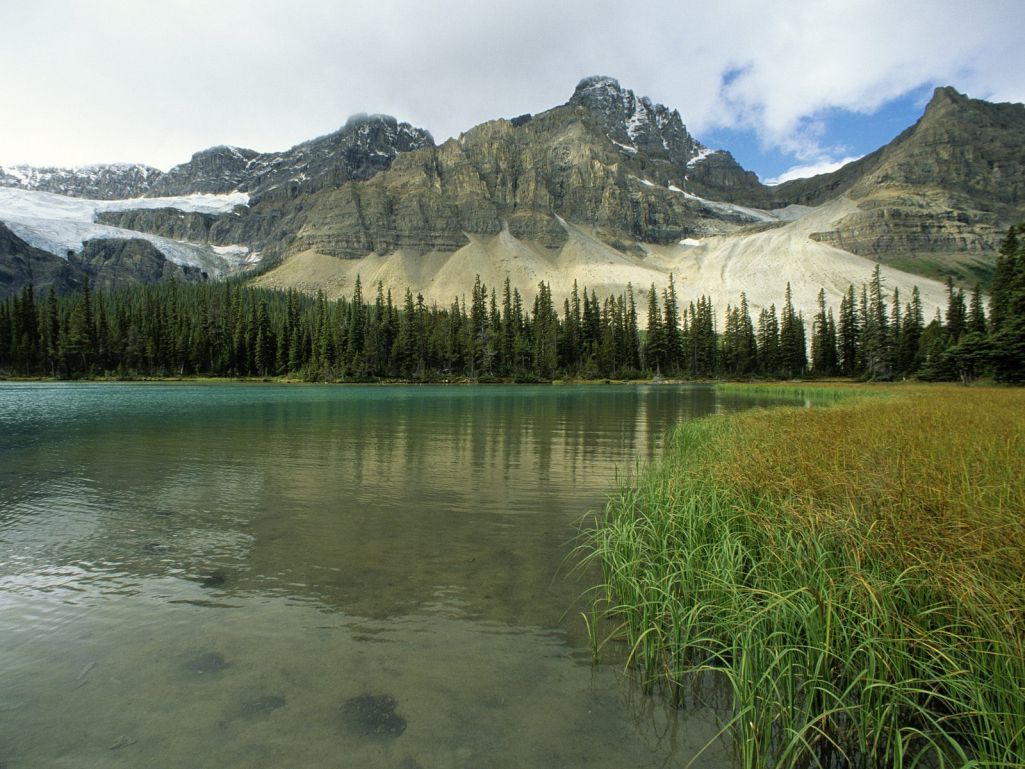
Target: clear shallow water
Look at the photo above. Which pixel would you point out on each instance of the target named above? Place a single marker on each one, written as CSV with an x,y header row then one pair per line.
x,y
266,576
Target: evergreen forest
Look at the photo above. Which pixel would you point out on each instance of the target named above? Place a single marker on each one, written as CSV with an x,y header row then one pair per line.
x,y
232,329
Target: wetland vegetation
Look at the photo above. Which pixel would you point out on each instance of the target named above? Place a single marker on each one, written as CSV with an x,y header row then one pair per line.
x,y
852,575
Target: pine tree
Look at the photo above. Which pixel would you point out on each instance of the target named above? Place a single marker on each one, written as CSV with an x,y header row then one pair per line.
x,y
673,345
768,342
823,340
655,343
633,337
792,349
546,332
875,336
955,312
909,356
976,312
53,338
1007,318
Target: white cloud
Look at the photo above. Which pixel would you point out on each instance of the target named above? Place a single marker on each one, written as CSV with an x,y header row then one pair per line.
x,y
803,171
102,80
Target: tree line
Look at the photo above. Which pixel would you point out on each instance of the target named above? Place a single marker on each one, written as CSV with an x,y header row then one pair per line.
x,y
235,330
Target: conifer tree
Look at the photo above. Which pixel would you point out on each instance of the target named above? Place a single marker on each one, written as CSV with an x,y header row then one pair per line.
x,y
768,342
545,325
655,344
823,340
875,336
53,339
1007,318
672,344
793,354
633,339
848,334
955,311
909,356
976,312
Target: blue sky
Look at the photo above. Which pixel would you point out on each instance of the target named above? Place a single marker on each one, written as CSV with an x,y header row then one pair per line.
x,y
787,87
843,134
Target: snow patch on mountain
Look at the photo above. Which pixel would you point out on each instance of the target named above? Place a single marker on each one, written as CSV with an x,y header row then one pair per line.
x,y
108,180
702,153
59,224
753,214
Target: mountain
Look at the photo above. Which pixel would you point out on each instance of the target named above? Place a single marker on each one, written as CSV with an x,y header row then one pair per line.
x,y
939,198
21,264
364,146
196,216
606,159
608,189
102,182
107,263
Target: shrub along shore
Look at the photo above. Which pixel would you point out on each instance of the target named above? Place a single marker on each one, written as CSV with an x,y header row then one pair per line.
x,y
853,576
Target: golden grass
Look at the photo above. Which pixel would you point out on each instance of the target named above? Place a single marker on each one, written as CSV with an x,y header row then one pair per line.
x,y
932,477
855,573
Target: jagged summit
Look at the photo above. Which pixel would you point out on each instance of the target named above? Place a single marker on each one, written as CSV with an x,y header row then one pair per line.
x,y
635,122
655,134
621,166
363,146
103,181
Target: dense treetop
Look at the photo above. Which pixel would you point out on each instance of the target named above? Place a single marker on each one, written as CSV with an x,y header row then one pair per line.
x,y
234,330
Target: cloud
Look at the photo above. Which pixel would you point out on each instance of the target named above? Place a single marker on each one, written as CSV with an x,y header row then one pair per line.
x,y
803,171
101,80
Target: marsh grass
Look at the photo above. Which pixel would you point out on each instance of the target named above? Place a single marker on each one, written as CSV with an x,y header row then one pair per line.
x,y
853,574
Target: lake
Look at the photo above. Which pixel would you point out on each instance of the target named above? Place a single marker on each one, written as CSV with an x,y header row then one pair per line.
x,y
244,575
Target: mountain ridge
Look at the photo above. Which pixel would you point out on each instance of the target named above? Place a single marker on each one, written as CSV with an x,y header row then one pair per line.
x,y
364,145
621,166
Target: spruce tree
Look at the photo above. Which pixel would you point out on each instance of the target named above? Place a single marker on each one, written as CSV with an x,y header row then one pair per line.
x,y
768,342
673,347
823,340
655,344
1007,319
793,353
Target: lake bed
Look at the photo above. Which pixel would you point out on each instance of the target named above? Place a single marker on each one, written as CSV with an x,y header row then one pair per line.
x,y
264,576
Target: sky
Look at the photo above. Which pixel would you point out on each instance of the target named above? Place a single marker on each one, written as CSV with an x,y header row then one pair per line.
x,y
790,87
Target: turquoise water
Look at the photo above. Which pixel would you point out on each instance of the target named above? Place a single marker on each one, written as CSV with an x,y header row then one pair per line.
x,y
301,576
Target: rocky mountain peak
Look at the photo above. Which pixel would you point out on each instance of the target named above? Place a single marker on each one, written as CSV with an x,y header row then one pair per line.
x,y
382,133
636,123
103,181
946,94
364,146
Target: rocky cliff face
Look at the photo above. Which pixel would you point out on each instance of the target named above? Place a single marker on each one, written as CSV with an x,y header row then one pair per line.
x,y
107,264
656,136
364,146
113,263
21,264
99,182
606,159
935,200
938,198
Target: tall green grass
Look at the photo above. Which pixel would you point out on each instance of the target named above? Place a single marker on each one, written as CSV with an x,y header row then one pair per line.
x,y
854,576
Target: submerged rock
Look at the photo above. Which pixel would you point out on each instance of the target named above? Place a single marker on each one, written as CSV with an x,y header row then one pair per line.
x,y
207,663
373,715
262,706
213,579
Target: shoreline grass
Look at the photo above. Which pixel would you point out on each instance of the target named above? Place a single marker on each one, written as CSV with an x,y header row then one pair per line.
x,y
854,574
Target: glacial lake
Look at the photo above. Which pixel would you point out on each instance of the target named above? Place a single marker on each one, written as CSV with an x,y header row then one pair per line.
x,y
267,577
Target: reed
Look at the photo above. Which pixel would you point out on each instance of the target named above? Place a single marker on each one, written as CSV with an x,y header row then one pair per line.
x,y
853,574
